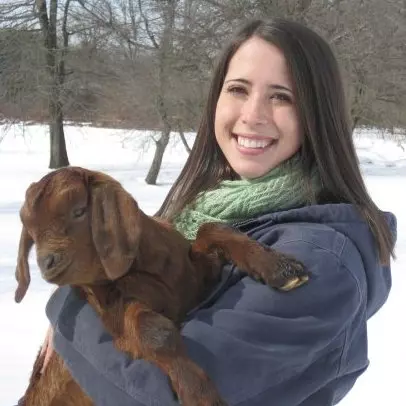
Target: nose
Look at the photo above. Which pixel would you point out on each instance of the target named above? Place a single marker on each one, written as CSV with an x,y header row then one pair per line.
x,y
254,112
49,261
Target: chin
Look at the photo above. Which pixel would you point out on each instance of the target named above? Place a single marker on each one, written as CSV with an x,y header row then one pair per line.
x,y
251,173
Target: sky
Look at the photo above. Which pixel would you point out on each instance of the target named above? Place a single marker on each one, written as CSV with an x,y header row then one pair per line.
x,y
125,155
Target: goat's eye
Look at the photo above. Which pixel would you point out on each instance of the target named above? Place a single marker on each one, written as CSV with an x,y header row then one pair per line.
x,y
79,212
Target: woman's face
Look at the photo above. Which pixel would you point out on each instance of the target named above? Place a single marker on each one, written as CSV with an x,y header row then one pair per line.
x,y
256,121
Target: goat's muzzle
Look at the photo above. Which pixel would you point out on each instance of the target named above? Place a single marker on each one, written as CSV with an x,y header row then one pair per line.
x,y
51,266
48,262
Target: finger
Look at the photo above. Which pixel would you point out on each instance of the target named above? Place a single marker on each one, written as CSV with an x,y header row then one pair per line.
x,y
47,357
47,349
46,342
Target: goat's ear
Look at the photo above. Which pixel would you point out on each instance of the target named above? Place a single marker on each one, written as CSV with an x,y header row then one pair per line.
x,y
115,228
23,270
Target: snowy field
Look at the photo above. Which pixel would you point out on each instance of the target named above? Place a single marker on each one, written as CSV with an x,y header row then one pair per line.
x,y
125,155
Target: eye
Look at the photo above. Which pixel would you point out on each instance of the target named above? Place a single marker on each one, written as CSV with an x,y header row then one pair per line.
x,y
281,98
237,90
79,212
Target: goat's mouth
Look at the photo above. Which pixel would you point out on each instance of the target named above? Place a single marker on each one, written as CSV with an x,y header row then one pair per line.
x,y
55,274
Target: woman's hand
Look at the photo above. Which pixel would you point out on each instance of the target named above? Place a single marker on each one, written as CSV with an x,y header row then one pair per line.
x,y
47,348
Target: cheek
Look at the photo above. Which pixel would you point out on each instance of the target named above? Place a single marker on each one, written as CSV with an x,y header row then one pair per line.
x,y
225,115
82,242
83,245
296,136
289,123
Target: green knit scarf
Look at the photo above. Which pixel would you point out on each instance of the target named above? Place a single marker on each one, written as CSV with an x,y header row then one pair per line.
x,y
234,201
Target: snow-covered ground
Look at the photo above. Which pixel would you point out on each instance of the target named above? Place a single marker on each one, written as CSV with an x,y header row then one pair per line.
x,y
126,156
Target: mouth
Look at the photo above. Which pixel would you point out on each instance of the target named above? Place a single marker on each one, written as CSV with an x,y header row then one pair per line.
x,y
253,145
54,274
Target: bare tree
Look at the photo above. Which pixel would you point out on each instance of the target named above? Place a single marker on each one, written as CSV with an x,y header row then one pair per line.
x,y
26,16
145,64
21,61
55,65
164,48
370,39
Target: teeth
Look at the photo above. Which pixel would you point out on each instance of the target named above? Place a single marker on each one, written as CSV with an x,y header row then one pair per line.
x,y
251,143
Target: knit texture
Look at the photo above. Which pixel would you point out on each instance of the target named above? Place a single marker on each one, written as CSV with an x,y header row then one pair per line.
x,y
234,201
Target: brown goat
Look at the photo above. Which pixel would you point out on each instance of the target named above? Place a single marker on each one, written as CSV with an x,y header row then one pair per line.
x,y
139,274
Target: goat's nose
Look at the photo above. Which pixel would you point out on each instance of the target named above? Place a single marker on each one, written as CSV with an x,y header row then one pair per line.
x,y
49,261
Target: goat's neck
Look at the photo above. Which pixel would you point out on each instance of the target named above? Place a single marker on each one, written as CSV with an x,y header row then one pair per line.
x,y
100,297
159,244
164,261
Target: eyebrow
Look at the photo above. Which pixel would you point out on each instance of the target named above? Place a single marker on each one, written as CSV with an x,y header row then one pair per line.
x,y
247,82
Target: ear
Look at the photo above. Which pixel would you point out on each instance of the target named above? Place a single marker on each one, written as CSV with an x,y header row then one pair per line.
x,y
115,228
23,270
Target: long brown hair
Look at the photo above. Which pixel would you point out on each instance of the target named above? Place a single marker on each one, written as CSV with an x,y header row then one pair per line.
x,y
323,116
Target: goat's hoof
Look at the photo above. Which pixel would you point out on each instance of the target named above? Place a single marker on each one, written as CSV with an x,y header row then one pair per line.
x,y
279,271
292,273
294,283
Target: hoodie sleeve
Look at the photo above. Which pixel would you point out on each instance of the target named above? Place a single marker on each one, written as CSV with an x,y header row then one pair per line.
x,y
260,346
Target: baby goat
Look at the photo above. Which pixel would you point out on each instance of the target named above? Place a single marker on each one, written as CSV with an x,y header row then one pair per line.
x,y
139,274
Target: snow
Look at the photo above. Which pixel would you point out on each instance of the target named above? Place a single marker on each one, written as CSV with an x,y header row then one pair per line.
x,y
126,156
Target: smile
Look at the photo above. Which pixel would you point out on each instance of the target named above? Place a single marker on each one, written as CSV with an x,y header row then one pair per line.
x,y
253,143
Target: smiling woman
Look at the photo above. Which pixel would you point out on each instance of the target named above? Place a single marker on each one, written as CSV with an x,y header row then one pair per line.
x,y
273,157
256,121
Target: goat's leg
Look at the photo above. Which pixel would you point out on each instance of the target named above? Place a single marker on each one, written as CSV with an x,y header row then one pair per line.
x,y
263,263
151,336
54,387
34,379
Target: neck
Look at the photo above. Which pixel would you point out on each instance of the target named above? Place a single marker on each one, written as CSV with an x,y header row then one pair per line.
x,y
283,188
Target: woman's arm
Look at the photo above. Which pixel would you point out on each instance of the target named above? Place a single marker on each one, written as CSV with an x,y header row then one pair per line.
x,y
107,375
257,344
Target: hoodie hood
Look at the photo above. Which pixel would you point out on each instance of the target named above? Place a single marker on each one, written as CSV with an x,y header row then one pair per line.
x,y
345,219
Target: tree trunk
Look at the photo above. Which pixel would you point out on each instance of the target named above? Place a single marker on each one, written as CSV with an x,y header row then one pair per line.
x,y
355,121
183,139
58,153
155,167
357,104
164,56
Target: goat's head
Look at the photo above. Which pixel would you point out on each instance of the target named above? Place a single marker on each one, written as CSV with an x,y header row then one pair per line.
x,y
84,225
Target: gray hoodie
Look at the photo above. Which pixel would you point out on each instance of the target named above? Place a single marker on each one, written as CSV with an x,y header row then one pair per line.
x,y
261,347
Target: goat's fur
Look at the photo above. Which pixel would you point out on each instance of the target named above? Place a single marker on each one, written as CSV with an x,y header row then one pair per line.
x,y
139,274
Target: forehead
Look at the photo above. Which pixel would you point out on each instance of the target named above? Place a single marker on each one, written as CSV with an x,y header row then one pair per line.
x,y
259,61
53,190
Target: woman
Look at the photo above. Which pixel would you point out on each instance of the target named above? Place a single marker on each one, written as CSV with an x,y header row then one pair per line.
x,y
273,156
